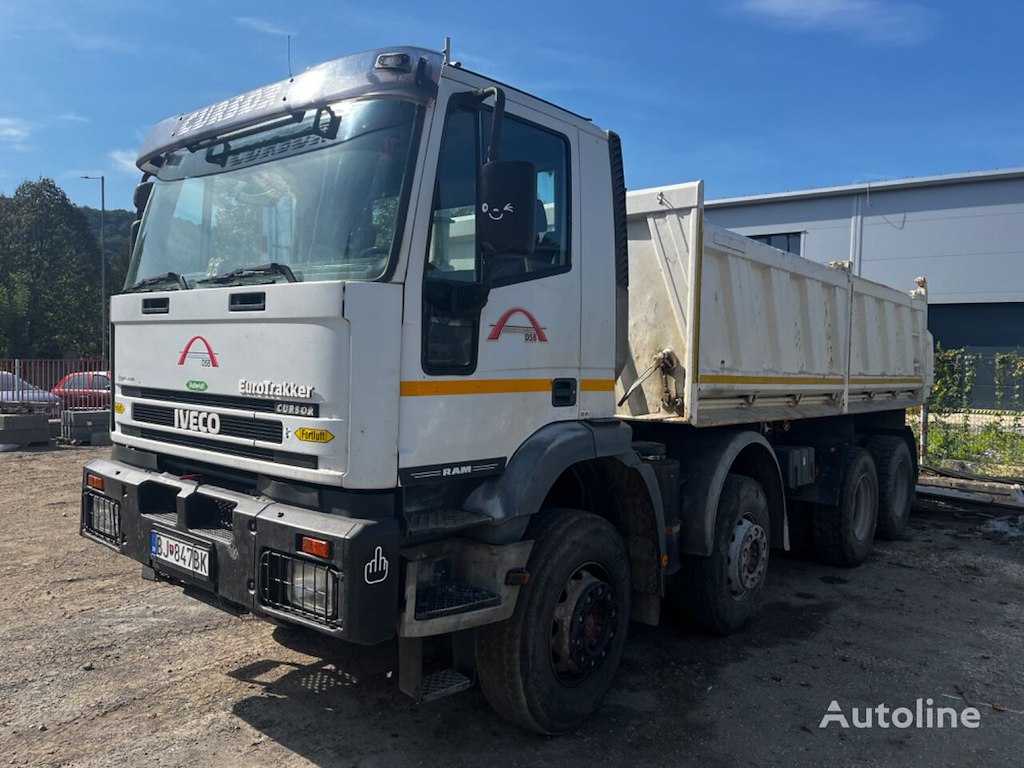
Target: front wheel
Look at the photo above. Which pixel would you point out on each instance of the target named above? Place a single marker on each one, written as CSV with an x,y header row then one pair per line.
x,y
547,668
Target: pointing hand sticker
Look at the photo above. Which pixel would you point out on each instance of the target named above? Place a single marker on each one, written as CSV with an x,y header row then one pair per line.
x,y
376,568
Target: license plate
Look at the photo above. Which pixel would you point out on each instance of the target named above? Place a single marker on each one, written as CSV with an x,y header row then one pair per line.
x,y
190,557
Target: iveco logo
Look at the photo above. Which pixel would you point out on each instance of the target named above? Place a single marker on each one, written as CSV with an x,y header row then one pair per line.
x,y
197,421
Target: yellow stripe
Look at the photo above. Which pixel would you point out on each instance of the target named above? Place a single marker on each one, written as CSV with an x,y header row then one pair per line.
x,y
473,387
886,380
493,387
731,379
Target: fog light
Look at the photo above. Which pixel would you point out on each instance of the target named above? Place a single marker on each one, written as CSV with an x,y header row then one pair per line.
x,y
304,587
312,589
102,517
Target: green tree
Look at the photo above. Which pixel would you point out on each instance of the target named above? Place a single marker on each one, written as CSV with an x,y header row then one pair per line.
x,y
117,229
49,275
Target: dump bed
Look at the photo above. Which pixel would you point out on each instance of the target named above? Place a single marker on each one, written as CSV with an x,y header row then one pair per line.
x,y
752,333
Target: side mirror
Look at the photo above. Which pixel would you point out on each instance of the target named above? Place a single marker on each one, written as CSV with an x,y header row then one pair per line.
x,y
141,197
456,299
506,207
134,235
142,192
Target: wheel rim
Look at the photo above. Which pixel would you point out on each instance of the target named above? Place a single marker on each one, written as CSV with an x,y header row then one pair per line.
x,y
862,503
583,624
747,557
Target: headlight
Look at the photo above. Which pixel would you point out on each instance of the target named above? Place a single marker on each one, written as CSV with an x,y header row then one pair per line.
x,y
312,588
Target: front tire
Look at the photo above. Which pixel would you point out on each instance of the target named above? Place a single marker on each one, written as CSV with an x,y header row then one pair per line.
x,y
722,592
548,667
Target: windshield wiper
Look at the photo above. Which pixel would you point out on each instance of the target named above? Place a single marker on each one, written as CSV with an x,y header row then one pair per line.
x,y
272,268
150,283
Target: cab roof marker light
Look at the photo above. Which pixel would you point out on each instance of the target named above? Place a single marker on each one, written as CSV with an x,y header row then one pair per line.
x,y
399,62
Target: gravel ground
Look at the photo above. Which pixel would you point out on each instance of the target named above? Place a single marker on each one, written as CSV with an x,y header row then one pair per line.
x,y
99,667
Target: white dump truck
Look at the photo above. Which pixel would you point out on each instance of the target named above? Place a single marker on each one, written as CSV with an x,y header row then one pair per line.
x,y
398,357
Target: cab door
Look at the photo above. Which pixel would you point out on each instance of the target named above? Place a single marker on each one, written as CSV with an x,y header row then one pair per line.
x,y
477,381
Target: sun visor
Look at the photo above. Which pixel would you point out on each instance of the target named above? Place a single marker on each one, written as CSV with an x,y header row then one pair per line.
x,y
408,73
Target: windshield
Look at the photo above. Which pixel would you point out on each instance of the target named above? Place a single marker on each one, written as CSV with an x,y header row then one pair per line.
x,y
318,193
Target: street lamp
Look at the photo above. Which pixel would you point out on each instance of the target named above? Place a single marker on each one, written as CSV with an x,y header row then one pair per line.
x,y
103,266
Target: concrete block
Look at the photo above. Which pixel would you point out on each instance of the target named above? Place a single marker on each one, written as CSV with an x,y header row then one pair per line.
x,y
23,420
79,426
24,428
25,437
100,438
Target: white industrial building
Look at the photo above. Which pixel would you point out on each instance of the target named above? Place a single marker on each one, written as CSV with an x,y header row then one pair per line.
x,y
964,232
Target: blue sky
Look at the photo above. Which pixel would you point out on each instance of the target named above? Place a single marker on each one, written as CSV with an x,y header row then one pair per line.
x,y
750,95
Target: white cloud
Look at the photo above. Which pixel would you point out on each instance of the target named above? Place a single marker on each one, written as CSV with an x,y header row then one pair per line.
x,y
875,21
263,25
74,117
13,130
124,160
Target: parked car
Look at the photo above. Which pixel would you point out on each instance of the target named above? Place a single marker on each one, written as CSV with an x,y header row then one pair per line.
x,y
15,390
84,389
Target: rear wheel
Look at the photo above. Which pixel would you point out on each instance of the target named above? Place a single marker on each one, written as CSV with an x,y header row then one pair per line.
x,y
843,533
722,592
896,483
547,668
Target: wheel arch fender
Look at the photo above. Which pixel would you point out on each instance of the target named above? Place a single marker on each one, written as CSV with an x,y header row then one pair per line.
x,y
543,457
583,448
707,460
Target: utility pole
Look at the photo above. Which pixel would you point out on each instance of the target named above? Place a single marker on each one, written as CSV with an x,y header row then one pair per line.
x,y
103,267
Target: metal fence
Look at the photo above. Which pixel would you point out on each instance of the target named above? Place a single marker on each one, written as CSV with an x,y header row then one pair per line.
x,y
959,427
54,385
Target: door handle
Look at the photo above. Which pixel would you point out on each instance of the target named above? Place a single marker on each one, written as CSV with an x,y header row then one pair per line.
x,y
563,392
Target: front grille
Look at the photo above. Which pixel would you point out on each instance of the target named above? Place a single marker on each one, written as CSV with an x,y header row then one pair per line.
x,y
230,426
231,449
101,518
260,405
300,586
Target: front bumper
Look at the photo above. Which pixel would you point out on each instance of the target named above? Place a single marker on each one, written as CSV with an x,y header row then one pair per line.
x,y
255,560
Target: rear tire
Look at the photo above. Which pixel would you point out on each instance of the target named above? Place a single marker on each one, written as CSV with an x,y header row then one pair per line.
x,y
722,592
548,667
843,534
896,484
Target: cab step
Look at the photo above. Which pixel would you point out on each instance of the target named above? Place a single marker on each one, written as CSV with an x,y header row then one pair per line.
x,y
437,685
440,682
449,599
442,520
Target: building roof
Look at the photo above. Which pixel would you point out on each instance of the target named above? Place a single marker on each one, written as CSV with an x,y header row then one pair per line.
x,y
872,186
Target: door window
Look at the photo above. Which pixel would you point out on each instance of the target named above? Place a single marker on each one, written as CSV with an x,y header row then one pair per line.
x,y
453,259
